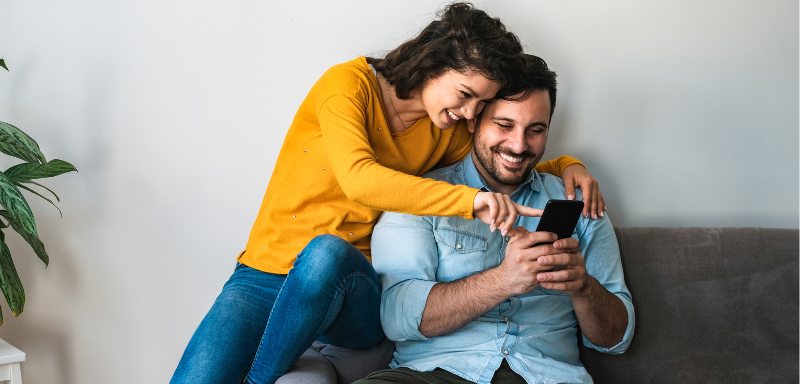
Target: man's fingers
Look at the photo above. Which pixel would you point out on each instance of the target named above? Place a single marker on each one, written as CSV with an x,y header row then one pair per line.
x,y
516,233
531,238
565,286
569,243
556,260
558,276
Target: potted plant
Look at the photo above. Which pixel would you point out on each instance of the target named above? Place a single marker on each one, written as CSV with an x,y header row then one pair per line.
x,y
16,213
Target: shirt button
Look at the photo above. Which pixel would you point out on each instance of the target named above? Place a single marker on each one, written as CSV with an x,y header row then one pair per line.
x,y
505,352
506,319
458,246
507,238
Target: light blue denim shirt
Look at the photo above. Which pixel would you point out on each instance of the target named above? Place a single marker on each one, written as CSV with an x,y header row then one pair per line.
x,y
535,332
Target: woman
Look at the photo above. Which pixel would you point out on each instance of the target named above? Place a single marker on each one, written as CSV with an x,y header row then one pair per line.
x,y
359,142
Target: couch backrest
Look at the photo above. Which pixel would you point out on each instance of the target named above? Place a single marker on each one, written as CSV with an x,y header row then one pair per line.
x,y
713,305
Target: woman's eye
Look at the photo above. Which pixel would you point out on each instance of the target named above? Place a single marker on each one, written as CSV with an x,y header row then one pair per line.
x,y
465,95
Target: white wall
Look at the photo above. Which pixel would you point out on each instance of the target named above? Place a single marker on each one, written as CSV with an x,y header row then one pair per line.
x,y
174,112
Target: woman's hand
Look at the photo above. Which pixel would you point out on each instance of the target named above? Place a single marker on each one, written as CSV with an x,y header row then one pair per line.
x,y
575,175
497,210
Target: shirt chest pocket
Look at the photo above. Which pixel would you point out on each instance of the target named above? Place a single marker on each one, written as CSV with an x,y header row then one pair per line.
x,y
461,253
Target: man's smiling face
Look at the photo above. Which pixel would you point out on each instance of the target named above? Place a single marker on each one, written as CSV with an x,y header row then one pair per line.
x,y
511,140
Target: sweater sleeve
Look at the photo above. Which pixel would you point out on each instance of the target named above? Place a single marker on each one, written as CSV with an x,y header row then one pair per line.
x,y
342,121
557,165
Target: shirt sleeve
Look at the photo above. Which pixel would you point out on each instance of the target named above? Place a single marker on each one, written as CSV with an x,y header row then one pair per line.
x,y
406,258
343,124
557,165
599,246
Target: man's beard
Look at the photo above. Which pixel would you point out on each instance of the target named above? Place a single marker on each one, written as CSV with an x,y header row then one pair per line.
x,y
488,160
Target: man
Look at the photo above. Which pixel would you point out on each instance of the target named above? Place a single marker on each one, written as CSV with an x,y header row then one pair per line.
x,y
465,304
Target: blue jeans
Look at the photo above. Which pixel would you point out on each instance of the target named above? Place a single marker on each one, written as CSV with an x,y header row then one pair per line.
x,y
261,322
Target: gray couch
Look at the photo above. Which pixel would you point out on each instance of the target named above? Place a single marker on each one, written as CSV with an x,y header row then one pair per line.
x,y
713,305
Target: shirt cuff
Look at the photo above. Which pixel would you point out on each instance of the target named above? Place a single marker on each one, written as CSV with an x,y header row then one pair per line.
x,y
411,300
622,346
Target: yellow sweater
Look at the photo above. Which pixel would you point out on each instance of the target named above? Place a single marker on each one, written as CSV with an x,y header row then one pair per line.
x,y
340,166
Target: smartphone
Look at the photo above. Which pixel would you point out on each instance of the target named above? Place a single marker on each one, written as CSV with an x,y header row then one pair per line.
x,y
560,217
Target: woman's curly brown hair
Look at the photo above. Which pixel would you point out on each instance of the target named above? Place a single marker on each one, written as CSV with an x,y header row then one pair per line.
x,y
463,39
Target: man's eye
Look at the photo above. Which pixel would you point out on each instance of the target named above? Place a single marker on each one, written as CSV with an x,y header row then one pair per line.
x,y
505,126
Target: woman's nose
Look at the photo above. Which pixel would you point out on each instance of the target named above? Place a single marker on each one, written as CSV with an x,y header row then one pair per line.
x,y
471,110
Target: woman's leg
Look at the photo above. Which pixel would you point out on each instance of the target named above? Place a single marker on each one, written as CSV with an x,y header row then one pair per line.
x,y
332,288
223,346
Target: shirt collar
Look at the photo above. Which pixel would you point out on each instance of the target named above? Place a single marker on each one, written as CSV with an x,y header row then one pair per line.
x,y
474,179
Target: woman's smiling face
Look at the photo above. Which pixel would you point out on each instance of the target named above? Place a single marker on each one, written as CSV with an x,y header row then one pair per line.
x,y
455,96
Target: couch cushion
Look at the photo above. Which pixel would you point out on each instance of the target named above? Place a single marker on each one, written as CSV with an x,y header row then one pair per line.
x,y
712,305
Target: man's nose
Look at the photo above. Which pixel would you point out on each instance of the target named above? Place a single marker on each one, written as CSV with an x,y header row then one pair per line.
x,y
516,141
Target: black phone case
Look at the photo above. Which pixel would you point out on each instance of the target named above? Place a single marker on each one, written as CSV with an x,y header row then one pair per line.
x,y
560,217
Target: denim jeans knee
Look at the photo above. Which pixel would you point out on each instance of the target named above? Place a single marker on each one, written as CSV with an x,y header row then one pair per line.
x,y
329,257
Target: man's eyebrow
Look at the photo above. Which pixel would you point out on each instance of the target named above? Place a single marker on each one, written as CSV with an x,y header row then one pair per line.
x,y
511,121
506,119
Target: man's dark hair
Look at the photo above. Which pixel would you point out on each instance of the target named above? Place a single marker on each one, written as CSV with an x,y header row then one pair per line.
x,y
533,75
462,39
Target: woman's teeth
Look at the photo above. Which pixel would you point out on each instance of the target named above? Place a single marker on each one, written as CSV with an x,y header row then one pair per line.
x,y
511,159
452,116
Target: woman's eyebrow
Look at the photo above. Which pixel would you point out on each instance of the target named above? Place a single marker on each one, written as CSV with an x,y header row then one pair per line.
x,y
471,92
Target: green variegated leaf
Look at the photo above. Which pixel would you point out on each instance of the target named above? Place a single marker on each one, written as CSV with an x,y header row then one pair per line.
x,y
2,64
14,142
48,190
33,240
30,171
12,200
9,282
40,195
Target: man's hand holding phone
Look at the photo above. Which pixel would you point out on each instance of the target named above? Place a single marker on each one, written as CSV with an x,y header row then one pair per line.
x,y
566,268
520,267
558,265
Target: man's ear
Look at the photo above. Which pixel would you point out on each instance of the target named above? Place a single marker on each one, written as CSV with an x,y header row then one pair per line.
x,y
471,125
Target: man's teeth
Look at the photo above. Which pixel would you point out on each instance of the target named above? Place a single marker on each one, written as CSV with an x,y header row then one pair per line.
x,y
511,159
452,116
